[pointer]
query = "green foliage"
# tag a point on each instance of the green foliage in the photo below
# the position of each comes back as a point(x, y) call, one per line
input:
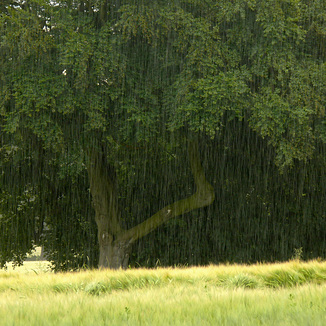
point(136, 79)
point(242, 281)
point(279, 278)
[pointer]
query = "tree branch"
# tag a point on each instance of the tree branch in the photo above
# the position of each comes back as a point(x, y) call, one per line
point(203, 196)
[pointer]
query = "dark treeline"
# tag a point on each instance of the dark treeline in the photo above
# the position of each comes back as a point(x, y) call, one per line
point(259, 214)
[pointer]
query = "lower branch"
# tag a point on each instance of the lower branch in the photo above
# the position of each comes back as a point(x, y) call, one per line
point(203, 196)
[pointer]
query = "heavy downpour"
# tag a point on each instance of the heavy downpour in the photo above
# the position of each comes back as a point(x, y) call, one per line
point(146, 133)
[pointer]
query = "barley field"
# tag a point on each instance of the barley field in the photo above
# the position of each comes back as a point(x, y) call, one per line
point(292, 293)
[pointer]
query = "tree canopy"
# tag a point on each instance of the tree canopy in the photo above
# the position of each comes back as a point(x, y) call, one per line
point(99, 94)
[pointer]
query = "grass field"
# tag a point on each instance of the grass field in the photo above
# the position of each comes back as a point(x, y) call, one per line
point(292, 293)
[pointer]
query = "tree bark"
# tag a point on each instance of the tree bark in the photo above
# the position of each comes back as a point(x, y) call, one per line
point(114, 254)
point(203, 196)
point(114, 242)
point(103, 185)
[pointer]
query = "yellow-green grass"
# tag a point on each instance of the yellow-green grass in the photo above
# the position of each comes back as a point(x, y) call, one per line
point(292, 293)
point(37, 267)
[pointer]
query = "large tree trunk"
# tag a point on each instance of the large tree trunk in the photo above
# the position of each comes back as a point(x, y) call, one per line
point(114, 254)
point(114, 242)
point(103, 185)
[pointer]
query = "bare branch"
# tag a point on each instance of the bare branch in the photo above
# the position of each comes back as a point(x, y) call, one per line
point(203, 196)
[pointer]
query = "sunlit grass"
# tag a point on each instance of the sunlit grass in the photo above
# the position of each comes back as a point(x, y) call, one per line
point(30, 266)
point(292, 293)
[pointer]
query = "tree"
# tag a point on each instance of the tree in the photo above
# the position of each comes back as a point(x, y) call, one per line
point(103, 81)
point(84, 90)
